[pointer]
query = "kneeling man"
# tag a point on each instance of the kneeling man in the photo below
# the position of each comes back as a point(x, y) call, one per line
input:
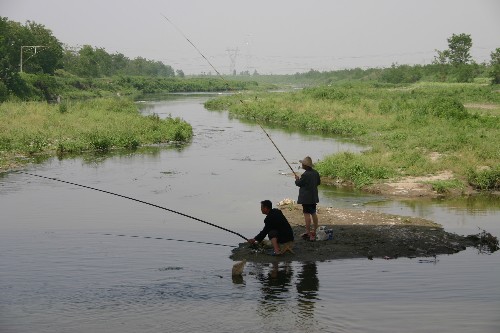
point(276, 227)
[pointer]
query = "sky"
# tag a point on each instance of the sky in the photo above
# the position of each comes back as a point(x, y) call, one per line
point(267, 36)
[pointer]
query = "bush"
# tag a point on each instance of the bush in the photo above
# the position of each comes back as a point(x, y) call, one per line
point(443, 107)
point(4, 92)
point(63, 107)
point(485, 179)
point(401, 74)
point(328, 93)
point(359, 169)
point(41, 86)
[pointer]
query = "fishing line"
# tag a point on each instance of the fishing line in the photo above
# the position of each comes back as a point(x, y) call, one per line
point(134, 199)
point(179, 30)
point(171, 239)
point(227, 83)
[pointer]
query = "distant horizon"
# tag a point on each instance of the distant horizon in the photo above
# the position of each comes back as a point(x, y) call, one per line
point(274, 38)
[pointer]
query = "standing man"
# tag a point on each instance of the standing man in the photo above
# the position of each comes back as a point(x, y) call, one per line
point(308, 196)
point(276, 227)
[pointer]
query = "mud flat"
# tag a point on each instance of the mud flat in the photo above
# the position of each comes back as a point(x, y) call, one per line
point(367, 234)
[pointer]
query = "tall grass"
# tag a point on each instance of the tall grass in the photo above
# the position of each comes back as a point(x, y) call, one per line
point(31, 128)
point(405, 126)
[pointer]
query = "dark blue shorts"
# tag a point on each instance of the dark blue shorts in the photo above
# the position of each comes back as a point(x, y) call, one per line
point(309, 209)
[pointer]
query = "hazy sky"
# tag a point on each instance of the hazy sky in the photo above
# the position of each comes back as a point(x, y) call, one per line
point(272, 36)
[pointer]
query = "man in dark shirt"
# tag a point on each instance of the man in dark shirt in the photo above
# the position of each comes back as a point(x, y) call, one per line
point(276, 227)
point(308, 196)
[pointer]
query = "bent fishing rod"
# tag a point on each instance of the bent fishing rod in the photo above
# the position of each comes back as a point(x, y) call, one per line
point(134, 199)
point(227, 83)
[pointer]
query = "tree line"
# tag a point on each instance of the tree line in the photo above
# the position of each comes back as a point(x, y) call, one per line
point(454, 64)
point(34, 64)
point(32, 49)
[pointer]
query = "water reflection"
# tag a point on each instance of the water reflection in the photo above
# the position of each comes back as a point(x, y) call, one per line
point(307, 290)
point(278, 294)
point(275, 285)
point(97, 157)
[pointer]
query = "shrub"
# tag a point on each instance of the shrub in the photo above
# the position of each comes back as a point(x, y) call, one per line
point(359, 169)
point(4, 92)
point(99, 142)
point(444, 186)
point(63, 107)
point(325, 92)
point(485, 179)
point(443, 107)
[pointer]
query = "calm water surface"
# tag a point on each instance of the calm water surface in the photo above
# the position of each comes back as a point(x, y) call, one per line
point(76, 260)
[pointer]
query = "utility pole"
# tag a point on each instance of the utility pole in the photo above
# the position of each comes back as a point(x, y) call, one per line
point(28, 46)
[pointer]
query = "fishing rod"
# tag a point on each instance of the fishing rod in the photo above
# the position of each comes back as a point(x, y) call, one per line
point(134, 199)
point(227, 83)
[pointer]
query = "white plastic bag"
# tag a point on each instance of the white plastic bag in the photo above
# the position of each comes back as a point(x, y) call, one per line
point(321, 234)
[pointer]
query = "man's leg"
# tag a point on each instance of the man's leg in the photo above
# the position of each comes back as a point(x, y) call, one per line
point(273, 236)
point(307, 220)
point(315, 221)
point(276, 246)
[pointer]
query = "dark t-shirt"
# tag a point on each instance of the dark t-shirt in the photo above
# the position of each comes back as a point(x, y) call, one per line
point(308, 191)
point(276, 221)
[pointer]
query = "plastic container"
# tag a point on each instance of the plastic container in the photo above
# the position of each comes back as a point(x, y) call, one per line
point(329, 234)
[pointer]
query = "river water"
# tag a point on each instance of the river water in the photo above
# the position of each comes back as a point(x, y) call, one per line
point(77, 260)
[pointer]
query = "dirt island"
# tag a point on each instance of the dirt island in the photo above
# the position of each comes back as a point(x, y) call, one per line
point(367, 234)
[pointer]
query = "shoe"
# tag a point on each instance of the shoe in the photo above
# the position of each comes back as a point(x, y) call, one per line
point(304, 236)
point(312, 236)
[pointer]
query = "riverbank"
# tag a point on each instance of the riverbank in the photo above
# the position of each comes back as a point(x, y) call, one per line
point(368, 234)
point(29, 130)
point(409, 131)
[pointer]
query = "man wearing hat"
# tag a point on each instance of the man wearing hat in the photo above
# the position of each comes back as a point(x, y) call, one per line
point(308, 196)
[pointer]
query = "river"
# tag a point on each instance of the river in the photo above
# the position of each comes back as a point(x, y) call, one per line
point(77, 260)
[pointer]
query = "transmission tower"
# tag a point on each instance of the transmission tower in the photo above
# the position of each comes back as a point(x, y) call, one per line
point(233, 54)
point(248, 56)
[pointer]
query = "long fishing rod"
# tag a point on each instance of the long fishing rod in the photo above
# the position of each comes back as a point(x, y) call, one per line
point(223, 79)
point(134, 199)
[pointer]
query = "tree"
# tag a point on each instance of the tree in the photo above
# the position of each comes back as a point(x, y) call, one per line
point(13, 36)
point(49, 57)
point(87, 65)
point(459, 49)
point(495, 63)
point(180, 73)
point(401, 74)
point(463, 69)
point(8, 71)
point(442, 57)
point(458, 52)
point(118, 63)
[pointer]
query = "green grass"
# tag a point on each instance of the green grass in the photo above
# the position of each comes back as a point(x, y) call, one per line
point(35, 128)
point(404, 126)
point(445, 186)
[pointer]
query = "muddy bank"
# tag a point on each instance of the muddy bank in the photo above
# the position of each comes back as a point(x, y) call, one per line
point(367, 234)
point(410, 187)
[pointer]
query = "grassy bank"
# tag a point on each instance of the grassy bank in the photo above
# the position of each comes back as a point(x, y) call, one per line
point(42, 87)
point(33, 128)
point(411, 130)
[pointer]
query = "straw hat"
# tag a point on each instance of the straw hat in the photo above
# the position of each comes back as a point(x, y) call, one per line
point(307, 161)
